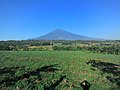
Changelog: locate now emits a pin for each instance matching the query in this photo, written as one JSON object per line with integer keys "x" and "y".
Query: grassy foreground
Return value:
{"x": 58, "y": 70}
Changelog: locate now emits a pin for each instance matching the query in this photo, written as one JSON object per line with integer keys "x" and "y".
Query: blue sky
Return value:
{"x": 23, "y": 19}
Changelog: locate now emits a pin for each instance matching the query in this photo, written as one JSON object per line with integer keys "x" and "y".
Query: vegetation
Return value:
{"x": 106, "y": 47}
{"x": 59, "y": 65}
{"x": 58, "y": 70}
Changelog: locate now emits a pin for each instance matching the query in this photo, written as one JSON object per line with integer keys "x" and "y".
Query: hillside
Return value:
{"x": 60, "y": 34}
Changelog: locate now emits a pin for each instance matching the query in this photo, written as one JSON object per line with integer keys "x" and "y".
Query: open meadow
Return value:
{"x": 58, "y": 70}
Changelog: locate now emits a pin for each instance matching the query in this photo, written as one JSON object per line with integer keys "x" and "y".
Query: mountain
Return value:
{"x": 60, "y": 34}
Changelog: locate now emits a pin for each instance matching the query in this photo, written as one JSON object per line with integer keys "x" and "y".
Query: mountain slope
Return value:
{"x": 60, "y": 34}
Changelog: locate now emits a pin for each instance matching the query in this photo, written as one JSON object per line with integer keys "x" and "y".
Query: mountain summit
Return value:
{"x": 60, "y": 34}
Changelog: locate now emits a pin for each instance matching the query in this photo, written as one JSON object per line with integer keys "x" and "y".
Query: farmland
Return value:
{"x": 58, "y": 70}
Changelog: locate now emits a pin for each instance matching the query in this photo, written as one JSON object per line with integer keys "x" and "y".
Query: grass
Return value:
{"x": 62, "y": 70}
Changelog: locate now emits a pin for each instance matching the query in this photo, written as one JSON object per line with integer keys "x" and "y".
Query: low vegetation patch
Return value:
{"x": 53, "y": 70}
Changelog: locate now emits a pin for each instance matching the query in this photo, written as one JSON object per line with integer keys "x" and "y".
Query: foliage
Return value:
{"x": 106, "y": 47}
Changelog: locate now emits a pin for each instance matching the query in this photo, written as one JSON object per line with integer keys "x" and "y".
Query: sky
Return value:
{"x": 24, "y": 19}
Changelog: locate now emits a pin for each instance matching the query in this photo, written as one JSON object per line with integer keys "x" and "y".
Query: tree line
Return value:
{"x": 109, "y": 47}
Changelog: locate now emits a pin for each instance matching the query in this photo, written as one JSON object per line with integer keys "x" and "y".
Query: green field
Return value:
{"x": 58, "y": 70}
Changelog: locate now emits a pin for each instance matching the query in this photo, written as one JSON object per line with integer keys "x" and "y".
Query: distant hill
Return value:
{"x": 60, "y": 34}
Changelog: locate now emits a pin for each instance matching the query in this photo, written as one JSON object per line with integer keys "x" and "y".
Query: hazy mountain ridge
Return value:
{"x": 60, "y": 34}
